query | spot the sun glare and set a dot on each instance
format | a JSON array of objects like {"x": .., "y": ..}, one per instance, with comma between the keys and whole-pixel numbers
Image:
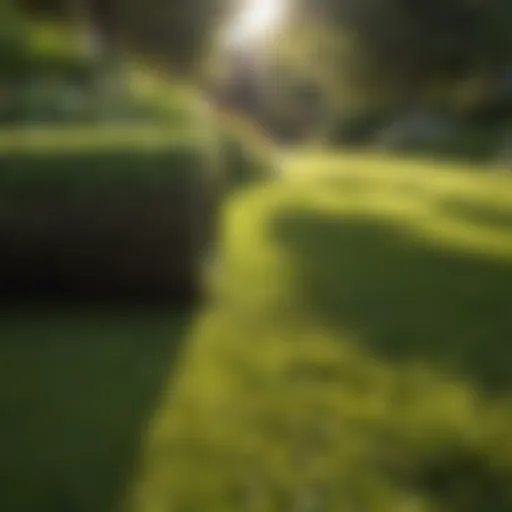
[{"x": 256, "y": 20}]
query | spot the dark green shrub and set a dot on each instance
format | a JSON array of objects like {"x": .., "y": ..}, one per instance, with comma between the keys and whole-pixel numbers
[
  {"x": 356, "y": 130},
  {"x": 14, "y": 43},
  {"x": 246, "y": 154},
  {"x": 472, "y": 142},
  {"x": 47, "y": 76},
  {"x": 29, "y": 51},
  {"x": 100, "y": 212}
]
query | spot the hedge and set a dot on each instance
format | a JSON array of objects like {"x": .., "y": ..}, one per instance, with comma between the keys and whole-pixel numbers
[
  {"x": 246, "y": 152},
  {"x": 93, "y": 212}
]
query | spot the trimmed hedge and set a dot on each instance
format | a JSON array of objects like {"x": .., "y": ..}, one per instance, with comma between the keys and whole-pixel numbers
[{"x": 104, "y": 212}]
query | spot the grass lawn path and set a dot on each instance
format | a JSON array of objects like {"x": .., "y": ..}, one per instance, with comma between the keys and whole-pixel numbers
[{"x": 356, "y": 359}]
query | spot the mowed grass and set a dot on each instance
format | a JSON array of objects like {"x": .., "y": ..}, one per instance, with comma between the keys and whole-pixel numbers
[
  {"x": 356, "y": 358},
  {"x": 77, "y": 388}
]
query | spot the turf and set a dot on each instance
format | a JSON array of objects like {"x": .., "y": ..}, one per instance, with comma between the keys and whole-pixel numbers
[
  {"x": 78, "y": 386},
  {"x": 356, "y": 357}
]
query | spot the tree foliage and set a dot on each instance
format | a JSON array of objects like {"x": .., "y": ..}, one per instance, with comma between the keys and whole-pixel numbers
[
  {"x": 403, "y": 46},
  {"x": 175, "y": 32},
  {"x": 413, "y": 44}
]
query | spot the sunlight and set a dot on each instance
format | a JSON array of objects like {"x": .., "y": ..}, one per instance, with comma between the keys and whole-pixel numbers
[{"x": 257, "y": 19}]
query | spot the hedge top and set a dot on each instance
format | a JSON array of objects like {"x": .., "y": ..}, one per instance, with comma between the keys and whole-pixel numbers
[{"x": 94, "y": 138}]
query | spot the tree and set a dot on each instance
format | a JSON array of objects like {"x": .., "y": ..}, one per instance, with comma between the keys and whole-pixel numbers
[
  {"x": 411, "y": 45},
  {"x": 174, "y": 32}
]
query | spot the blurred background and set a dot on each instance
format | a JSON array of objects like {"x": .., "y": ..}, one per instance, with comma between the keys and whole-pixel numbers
[
  {"x": 326, "y": 72},
  {"x": 255, "y": 256}
]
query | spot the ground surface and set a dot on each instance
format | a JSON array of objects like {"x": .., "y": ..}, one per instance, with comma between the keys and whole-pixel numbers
[{"x": 357, "y": 358}]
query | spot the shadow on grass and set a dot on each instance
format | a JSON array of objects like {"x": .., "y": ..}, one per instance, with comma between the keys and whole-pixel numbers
[
  {"x": 405, "y": 296},
  {"x": 463, "y": 154},
  {"x": 482, "y": 215},
  {"x": 408, "y": 299},
  {"x": 77, "y": 388}
]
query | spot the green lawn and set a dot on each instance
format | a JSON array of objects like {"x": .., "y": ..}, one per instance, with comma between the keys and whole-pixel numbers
[
  {"x": 78, "y": 387},
  {"x": 357, "y": 358}
]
